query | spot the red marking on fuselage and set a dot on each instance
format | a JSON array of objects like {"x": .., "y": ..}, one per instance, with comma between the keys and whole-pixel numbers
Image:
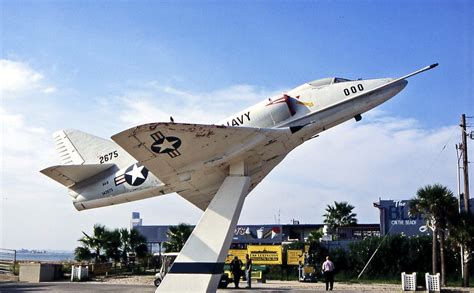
[{"x": 284, "y": 99}]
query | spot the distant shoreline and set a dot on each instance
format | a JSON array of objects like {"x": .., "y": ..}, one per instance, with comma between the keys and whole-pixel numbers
[{"x": 46, "y": 256}]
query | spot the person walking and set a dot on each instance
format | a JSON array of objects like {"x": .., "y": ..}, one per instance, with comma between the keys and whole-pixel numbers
[
  {"x": 248, "y": 271},
  {"x": 328, "y": 271},
  {"x": 236, "y": 269}
]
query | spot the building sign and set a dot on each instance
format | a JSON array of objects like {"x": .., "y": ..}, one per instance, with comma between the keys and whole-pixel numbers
[
  {"x": 240, "y": 253},
  {"x": 267, "y": 234},
  {"x": 394, "y": 219},
  {"x": 294, "y": 257},
  {"x": 265, "y": 254}
]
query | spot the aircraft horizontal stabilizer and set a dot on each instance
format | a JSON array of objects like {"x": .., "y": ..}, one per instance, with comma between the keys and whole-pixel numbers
[
  {"x": 193, "y": 159},
  {"x": 69, "y": 175}
]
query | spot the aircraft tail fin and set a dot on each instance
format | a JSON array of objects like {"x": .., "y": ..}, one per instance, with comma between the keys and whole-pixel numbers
[
  {"x": 69, "y": 175},
  {"x": 77, "y": 148}
]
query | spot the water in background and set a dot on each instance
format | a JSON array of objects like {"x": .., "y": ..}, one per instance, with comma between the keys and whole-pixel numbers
[{"x": 45, "y": 256}]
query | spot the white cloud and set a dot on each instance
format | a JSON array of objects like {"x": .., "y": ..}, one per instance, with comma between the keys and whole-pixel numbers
[
  {"x": 154, "y": 102},
  {"x": 384, "y": 156},
  {"x": 18, "y": 77},
  {"x": 49, "y": 90},
  {"x": 25, "y": 148}
]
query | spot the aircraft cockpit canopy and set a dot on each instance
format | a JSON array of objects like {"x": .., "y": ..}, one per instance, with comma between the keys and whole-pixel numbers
[
  {"x": 338, "y": 79},
  {"x": 327, "y": 81}
]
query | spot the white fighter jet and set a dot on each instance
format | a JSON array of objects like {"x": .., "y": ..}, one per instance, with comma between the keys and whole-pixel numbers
[{"x": 213, "y": 166}]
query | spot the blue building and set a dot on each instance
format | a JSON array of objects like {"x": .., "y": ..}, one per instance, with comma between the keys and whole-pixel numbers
[{"x": 395, "y": 219}]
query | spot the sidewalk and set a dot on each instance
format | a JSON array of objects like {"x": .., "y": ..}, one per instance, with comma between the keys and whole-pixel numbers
[{"x": 145, "y": 284}]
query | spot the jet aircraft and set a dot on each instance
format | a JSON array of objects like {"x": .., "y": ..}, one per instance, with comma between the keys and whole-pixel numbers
[{"x": 213, "y": 166}]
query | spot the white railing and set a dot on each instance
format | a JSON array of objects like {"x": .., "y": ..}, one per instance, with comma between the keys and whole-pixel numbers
[{"x": 7, "y": 261}]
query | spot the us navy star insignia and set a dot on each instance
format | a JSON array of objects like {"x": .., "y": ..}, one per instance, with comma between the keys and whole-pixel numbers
[
  {"x": 165, "y": 144},
  {"x": 134, "y": 175}
]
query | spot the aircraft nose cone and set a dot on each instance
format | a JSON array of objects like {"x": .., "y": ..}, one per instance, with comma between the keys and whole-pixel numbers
[{"x": 400, "y": 84}]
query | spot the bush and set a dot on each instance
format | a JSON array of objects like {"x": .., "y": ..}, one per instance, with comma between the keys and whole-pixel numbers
[{"x": 396, "y": 254}]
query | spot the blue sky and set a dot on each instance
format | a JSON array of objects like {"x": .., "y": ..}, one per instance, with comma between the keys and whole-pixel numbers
[
  {"x": 98, "y": 46},
  {"x": 103, "y": 66}
]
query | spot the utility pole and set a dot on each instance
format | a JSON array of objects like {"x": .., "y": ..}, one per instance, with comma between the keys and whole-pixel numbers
[
  {"x": 467, "y": 251},
  {"x": 460, "y": 203},
  {"x": 465, "y": 163}
]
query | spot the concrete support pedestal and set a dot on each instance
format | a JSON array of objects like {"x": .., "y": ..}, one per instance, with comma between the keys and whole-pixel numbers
[{"x": 199, "y": 266}]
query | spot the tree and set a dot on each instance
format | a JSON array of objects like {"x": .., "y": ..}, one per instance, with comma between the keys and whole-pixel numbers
[
  {"x": 132, "y": 242},
  {"x": 315, "y": 236},
  {"x": 82, "y": 253},
  {"x": 116, "y": 245},
  {"x": 177, "y": 237},
  {"x": 112, "y": 245},
  {"x": 125, "y": 245},
  {"x": 339, "y": 215},
  {"x": 93, "y": 247},
  {"x": 138, "y": 244},
  {"x": 437, "y": 204},
  {"x": 462, "y": 233},
  {"x": 396, "y": 253}
]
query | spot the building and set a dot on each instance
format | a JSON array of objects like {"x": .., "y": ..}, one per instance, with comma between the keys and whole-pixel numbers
[
  {"x": 395, "y": 219},
  {"x": 136, "y": 220},
  {"x": 268, "y": 234}
]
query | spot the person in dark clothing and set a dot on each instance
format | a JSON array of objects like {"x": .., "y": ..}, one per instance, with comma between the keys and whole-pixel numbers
[
  {"x": 236, "y": 269},
  {"x": 328, "y": 271},
  {"x": 248, "y": 270}
]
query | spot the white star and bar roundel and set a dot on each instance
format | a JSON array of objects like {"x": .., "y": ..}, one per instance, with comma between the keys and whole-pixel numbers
[
  {"x": 134, "y": 175},
  {"x": 166, "y": 144}
]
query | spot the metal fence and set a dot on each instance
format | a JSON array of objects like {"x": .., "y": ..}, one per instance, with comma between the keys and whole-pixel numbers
[{"x": 7, "y": 261}]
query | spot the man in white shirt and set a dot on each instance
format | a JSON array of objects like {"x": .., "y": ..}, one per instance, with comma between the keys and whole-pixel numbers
[{"x": 328, "y": 271}]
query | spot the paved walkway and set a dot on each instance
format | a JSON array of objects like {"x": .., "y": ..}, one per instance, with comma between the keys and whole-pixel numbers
[{"x": 270, "y": 286}]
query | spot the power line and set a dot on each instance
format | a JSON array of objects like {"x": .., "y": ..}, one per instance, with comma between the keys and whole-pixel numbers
[{"x": 435, "y": 160}]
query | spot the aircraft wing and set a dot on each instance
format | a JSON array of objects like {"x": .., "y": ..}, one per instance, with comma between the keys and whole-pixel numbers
[
  {"x": 69, "y": 175},
  {"x": 193, "y": 159}
]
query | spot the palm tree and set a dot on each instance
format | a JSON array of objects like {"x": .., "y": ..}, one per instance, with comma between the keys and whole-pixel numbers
[
  {"x": 125, "y": 245},
  {"x": 82, "y": 253},
  {"x": 436, "y": 203},
  {"x": 132, "y": 242},
  {"x": 315, "y": 236},
  {"x": 112, "y": 244},
  {"x": 339, "y": 215},
  {"x": 95, "y": 244},
  {"x": 462, "y": 233},
  {"x": 177, "y": 237},
  {"x": 138, "y": 243}
]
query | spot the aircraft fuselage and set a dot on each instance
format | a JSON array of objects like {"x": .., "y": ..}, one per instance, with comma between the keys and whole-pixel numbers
[{"x": 309, "y": 109}]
